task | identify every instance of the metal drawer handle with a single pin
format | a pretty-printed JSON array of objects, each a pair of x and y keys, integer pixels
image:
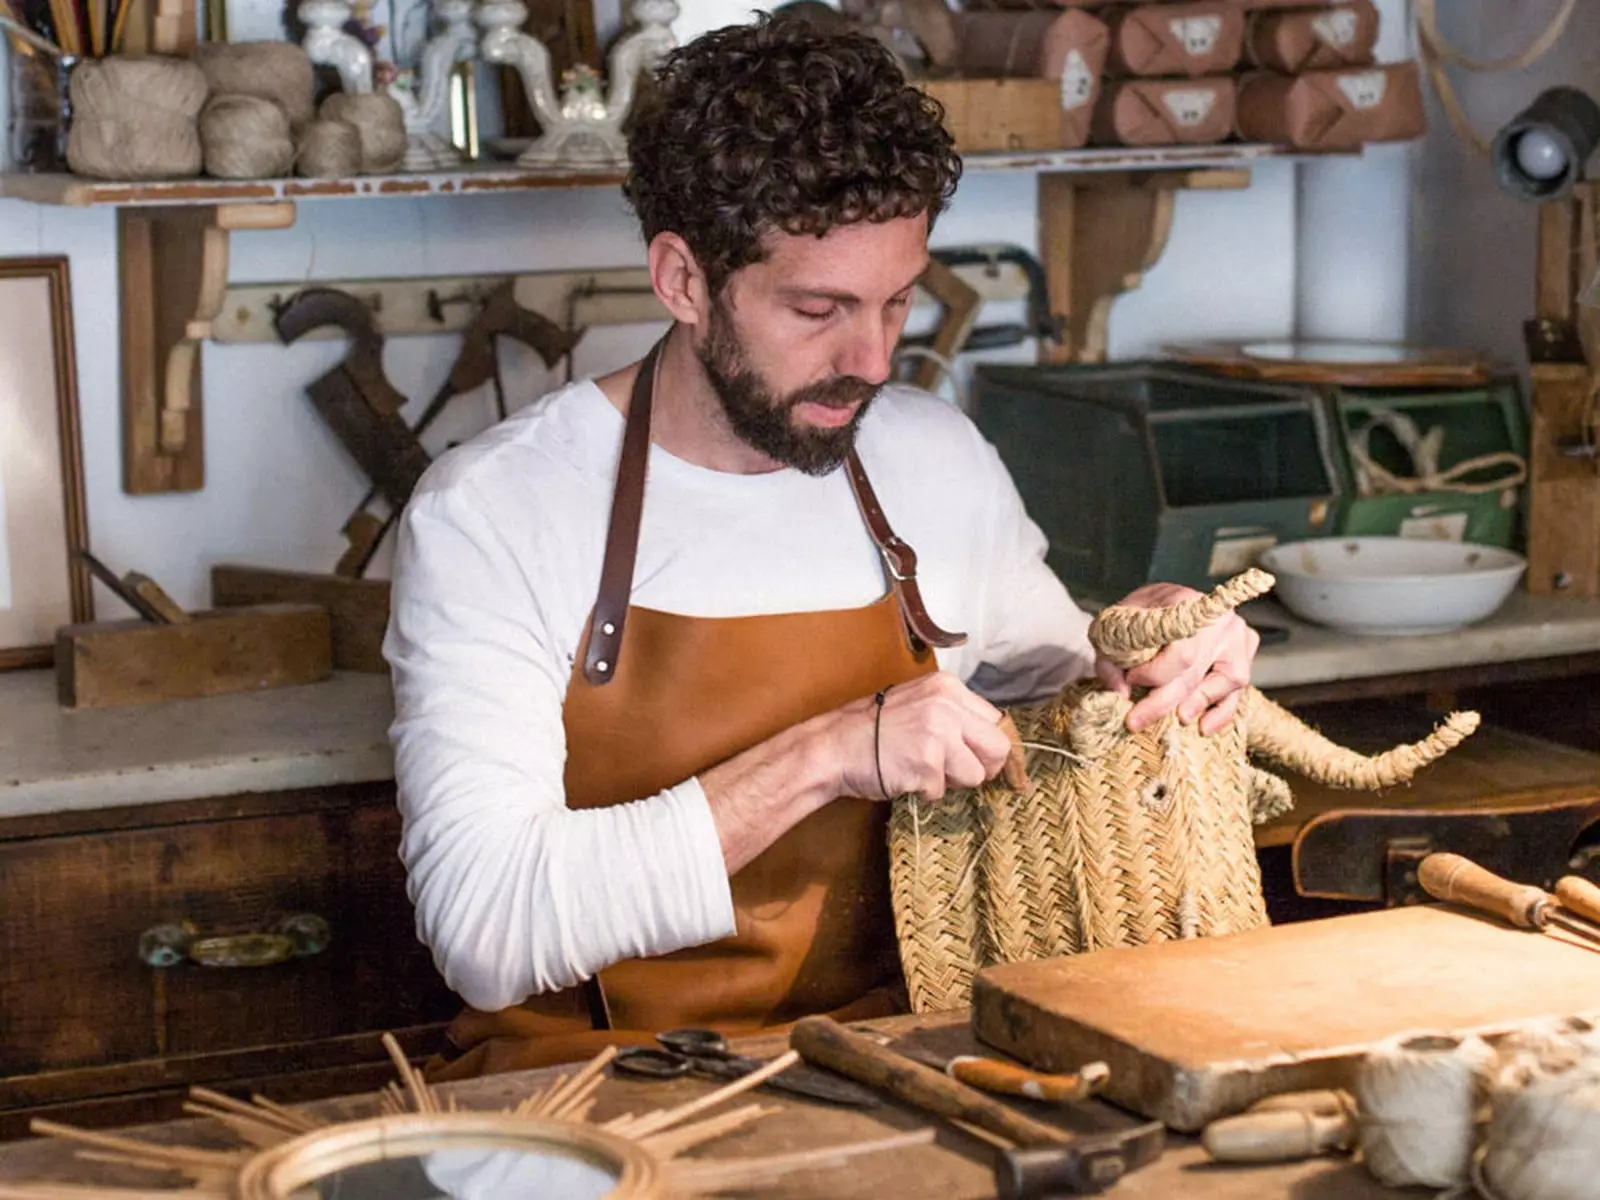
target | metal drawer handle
[{"x": 173, "y": 942}]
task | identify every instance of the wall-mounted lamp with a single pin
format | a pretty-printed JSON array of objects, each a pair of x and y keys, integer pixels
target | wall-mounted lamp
[{"x": 1541, "y": 153}]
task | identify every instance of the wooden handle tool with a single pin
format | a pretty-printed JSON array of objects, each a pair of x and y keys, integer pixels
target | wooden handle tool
[
  {"x": 826, "y": 1043},
  {"x": 1458, "y": 880},
  {"x": 1008, "y": 1079},
  {"x": 1579, "y": 895},
  {"x": 1277, "y": 1135}
]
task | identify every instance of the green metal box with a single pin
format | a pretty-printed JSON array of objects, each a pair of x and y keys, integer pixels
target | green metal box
[
  {"x": 1139, "y": 472},
  {"x": 1392, "y": 442}
]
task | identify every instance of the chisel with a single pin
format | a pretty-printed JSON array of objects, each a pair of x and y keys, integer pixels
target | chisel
[{"x": 1458, "y": 880}]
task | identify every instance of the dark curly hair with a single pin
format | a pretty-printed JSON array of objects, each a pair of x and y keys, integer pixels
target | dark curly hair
[{"x": 781, "y": 124}]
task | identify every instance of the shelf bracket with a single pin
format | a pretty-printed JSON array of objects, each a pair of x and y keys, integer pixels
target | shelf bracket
[
  {"x": 174, "y": 275},
  {"x": 1098, "y": 235}
]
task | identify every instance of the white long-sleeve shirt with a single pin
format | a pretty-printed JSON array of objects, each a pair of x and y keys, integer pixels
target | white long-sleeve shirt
[{"x": 497, "y": 569}]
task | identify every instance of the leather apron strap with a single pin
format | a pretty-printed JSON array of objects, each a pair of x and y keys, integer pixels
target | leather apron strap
[{"x": 622, "y": 542}]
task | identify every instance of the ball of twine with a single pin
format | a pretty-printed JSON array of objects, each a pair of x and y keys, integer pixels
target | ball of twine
[
  {"x": 329, "y": 150},
  {"x": 1543, "y": 1142},
  {"x": 134, "y": 118},
  {"x": 1538, "y": 1049},
  {"x": 379, "y": 120},
  {"x": 1419, "y": 1096},
  {"x": 276, "y": 71},
  {"x": 245, "y": 137}
]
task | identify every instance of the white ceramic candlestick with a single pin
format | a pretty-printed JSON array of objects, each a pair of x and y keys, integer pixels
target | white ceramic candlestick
[
  {"x": 328, "y": 45},
  {"x": 457, "y": 42},
  {"x": 583, "y": 129}
]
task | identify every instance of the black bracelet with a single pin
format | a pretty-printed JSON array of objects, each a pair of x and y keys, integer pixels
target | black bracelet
[{"x": 877, "y": 724}]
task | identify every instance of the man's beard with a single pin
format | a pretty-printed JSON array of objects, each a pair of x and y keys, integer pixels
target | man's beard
[{"x": 766, "y": 422}]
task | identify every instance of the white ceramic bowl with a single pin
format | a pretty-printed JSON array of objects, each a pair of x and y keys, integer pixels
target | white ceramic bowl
[{"x": 1392, "y": 586}]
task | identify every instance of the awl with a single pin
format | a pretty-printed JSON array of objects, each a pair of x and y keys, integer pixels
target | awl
[
  {"x": 1005, "y": 1078},
  {"x": 1458, "y": 880}
]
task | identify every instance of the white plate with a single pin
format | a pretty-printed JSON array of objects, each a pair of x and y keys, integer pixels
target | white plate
[{"x": 1392, "y": 586}]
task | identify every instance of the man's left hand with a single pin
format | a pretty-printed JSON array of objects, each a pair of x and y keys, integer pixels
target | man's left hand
[{"x": 1201, "y": 678}]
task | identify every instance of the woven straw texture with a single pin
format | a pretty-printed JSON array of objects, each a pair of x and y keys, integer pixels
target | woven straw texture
[{"x": 1121, "y": 838}]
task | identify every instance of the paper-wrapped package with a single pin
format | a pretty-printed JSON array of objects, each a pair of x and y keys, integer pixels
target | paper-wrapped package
[
  {"x": 1310, "y": 39},
  {"x": 1165, "y": 112},
  {"x": 1066, "y": 46},
  {"x": 1332, "y": 110},
  {"x": 1176, "y": 39}
]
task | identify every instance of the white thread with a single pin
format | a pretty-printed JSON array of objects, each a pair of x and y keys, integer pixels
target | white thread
[
  {"x": 1543, "y": 1140},
  {"x": 1418, "y": 1096}
]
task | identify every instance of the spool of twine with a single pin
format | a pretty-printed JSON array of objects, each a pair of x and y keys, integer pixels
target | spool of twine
[
  {"x": 1543, "y": 1142},
  {"x": 245, "y": 137},
  {"x": 381, "y": 123},
  {"x": 1419, "y": 1096},
  {"x": 329, "y": 150},
  {"x": 276, "y": 71},
  {"x": 1540, "y": 1049},
  {"x": 134, "y": 118}
]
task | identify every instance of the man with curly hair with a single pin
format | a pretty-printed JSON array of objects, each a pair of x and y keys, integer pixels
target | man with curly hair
[{"x": 661, "y": 645}]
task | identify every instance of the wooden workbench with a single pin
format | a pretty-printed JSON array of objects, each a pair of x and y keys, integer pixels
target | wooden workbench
[{"x": 955, "y": 1167}]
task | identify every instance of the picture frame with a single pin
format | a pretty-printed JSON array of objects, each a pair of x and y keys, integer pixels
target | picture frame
[{"x": 44, "y": 583}]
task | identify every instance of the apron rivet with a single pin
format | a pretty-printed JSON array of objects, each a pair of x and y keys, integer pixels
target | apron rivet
[
  {"x": 602, "y": 666},
  {"x": 608, "y": 629}
]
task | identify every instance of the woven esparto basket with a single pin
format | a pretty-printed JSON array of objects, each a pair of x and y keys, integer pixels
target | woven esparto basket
[{"x": 1121, "y": 838}]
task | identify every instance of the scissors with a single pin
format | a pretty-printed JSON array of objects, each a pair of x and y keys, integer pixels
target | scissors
[{"x": 704, "y": 1052}]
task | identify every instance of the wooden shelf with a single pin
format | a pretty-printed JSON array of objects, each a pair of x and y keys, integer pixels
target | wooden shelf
[{"x": 80, "y": 191}]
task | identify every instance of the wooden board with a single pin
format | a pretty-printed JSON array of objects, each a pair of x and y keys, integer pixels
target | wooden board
[
  {"x": 358, "y": 608},
  {"x": 999, "y": 114},
  {"x": 1196, "y": 1030},
  {"x": 233, "y": 650}
]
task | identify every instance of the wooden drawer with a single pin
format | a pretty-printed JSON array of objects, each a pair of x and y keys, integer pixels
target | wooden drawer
[{"x": 76, "y": 996}]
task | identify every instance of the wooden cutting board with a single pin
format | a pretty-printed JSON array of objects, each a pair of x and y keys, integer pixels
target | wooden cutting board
[{"x": 1196, "y": 1030}]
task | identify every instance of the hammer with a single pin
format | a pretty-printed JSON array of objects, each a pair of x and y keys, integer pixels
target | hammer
[{"x": 1045, "y": 1161}]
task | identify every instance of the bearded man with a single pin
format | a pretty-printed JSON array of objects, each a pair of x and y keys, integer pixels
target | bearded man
[{"x": 660, "y": 642}]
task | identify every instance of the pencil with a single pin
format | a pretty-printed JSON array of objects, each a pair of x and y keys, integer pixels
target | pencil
[
  {"x": 61, "y": 16},
  {"x": 97, "y": 27},
  {"x": 118, "y": 23}
]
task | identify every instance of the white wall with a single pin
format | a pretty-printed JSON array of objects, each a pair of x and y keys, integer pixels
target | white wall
[
  {"x": 1473, "y": 244},
  {"x": 278, "y": 487}
]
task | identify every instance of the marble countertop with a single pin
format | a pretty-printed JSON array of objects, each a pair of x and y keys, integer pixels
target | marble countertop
[
  {"x": 54, "y": 759},
  {"x": 1525, "y": 626}
]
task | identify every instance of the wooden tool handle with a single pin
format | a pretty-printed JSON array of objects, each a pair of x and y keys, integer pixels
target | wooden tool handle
[
  {"x": 993, "y": 1075},
  {"x": 1457, "y": 880},
  {"x": 1581, "y": 896},
  {"x": 1276, "y": 1135},
  {"x": 826, "y": 1043}
]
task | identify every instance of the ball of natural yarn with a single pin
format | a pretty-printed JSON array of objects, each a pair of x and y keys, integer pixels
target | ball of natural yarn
[
  {"x": 329, "y": 150},
  {"x": 1540, "y": 1048},
  {"x": 276, "y": 71},
  {"x": 1543, "y": 1141},
  {"x": 134, "y": 118},
  {"x": 379, "y": 120},
  {"x": 245, "y": 137},
  {"x": 1419, "y": 1096}
]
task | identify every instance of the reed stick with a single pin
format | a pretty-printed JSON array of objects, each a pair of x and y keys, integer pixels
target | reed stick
[
  {"x": 674, "y": 1142},
  {"x": 420, "y": 1091},
  {"x": 655, "y": 1122},
  {"x": 177, "y": 1156},
  {"x": 66, "y": 23},
  {"x": 28, "y": 37},
  {"x": 583, "y": 1082},
  {"x": 297, "y": 1120},
  {"x": 710, "y": 1176}
]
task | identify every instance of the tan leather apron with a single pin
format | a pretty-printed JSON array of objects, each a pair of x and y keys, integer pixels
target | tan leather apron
[{"x": 658, "y": 698}]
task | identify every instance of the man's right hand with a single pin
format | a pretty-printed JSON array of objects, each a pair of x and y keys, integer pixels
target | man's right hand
[{"x": 933, "y": 734}]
